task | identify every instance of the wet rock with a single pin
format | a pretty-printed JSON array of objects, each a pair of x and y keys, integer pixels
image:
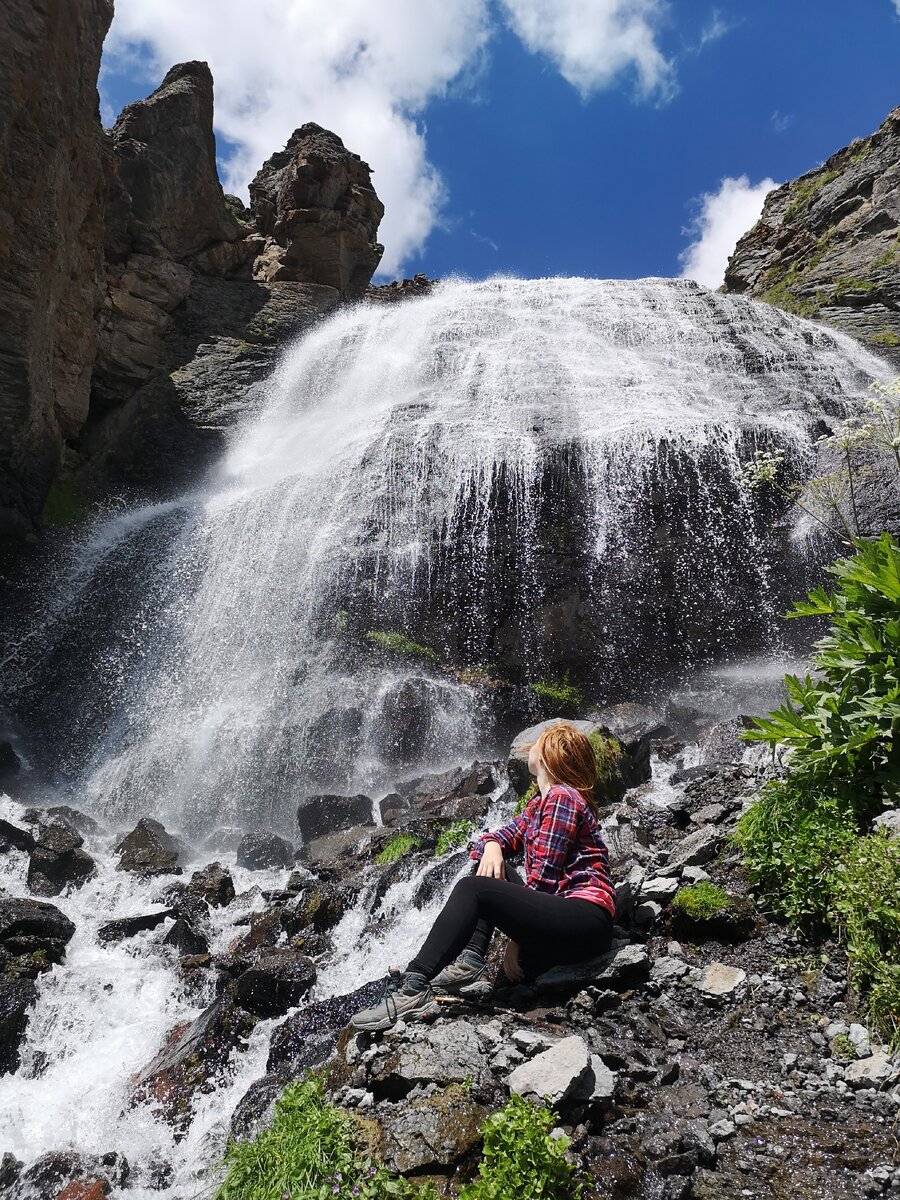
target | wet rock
[
  {"x": 555, "y": 1073},
  {"x": 620, "y": 968},
  {"x": 33, "y": 935},
  {"x": 337, "y": 851},
  {"x": 308, "y": 1037},
  {"x": 259, "y": 851},
  {"x": 126, "y": 927},
  {"x": 718, "y": 979},
  {"x": 393, "y": 808},
  {"x": 632, "y": 769},
  {"x": 187, "y": 938},
  {"x": 85, "y": 1189},
  {"x": 696, "y": 849},
  {"x": 193, "y": 1055},
  {"x": 213, "y": 884},
  {"x": 722, "y": 743},
  {"x": 9, "y": 762},
  {"x": 277, "y": 981},
  {"x": 443, "y": 1054},
  {"x": 598, "y": 1085},
  {"x": 10, "y": 1170},
  {"x": 321, "y": 815},
  {"x": 21, "y": 839},
  {"x": 58, "y": 860},
  {"x": 874, "y": 1071},
  {"x": 433, "y": 1132},
  {"x": 149, "y": 850},
  {"x": 63, "y": 814},
  {"x": 16, "y": 998},
  {"x": 321, "y": 907},
  {"x": 661, "y": 888}
]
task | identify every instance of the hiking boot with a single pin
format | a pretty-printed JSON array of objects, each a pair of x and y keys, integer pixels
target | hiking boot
[
  {"x": 401, "y": 999},
  {"x": 459, "y": 976}
]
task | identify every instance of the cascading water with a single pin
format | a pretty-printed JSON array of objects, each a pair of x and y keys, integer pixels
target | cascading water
[{"x": 527, "y": 478}]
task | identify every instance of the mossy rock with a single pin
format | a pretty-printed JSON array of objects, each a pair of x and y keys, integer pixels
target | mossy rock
[{"x": 706, "y": 912}]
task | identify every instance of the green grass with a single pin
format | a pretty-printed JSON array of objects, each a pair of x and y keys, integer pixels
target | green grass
[
  {"x": 781, "y": 293},
  {"x": 63, "y": 506},
  {"x": 521, "y": 1159},
  {"x": 805, "y": 191},
  {"x": 397, "y": 643},
  {"x": 400, "y": 844},
  {"x": 844, "y": 285},
  {"x": 310, "y": 1151},
  {"x": 888, "y": 338},
  {"x": 701, "y": 901},
  {"x": 565, "y": 695},
  {"x": 457, "y": 834}
]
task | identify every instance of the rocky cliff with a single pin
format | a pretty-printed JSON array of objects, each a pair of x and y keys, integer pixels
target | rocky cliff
[
  {"x": 828, "y": 244},
  {"x": 138, "y": 301},
  {"x": 55, "y": 163}
]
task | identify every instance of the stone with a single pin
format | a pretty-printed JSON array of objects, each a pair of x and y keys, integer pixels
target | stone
[
  {"x": 126, "y": 927},
  {"x": 33, "y": 933},
  {"x": 646, "y": 913},
  {"x": 277, "y": 981},
  {"x": 63, "y": 814},
  {"x": 722, "y": 743},
  {"x": 21, "y": 839},
  {"x": 667, "y": 969},
  {"x": 260, "y": 851},
  {"x": 661, "y": 888},
  {"x": 888, "y": 822},
  {"x": 720, "y": 980},
  {"x": 859, "y": 1036},
  {"x": 16, "y": 998},
  {"x": 58, "y": 161},
  {"x": 445, "y": 1053},
  {"x": 619, "y": 968},
  {"x": 314, "y": 204},
  {"x": 722, "y": 1130},
  {"x": 555, "y": 1074},
  {"x": 213, "y": 884},
  {"x": 149, "y": 850},
  {"x": 186, "y": 937},
  {"x": 433, "y": 1132},
  {"x": 695, "y": 849},
  {"x": 58, "y": 860},
  {"x": 598, "y": 1086},
  {"x": 321, "y": 815},
  {"x": 873, "y": 1071},
  {"x": 694, "y": 875}
]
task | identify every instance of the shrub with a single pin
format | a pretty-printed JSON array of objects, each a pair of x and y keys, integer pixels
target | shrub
[
  {"x": 522, "y": 1159},
  {"x": 396, "y": 643},
  {"x": 701, "y": 900},
  {"x": 454, "y": 835},
  {"x": 791, "y": 838},
  {"x": 309, "y": 1151},
  {"x": 400, "y": 844}
]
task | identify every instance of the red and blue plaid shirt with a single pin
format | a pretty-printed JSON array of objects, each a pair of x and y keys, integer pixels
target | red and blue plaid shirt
[{"x": 563, "y": 846}]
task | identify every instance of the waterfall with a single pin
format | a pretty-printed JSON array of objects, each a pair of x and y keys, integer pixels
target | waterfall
[{"x": 528, "y": 479}]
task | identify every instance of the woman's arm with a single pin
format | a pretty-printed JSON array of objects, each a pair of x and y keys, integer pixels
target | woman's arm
[
  {"x": 558, "y": 819},
  {"x": 510, "y": 838}
]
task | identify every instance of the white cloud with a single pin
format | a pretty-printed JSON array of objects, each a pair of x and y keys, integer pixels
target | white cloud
[
  {"x": 592, "y": 42},
  {"x": 368, "y": 70},
  {"x": 716, "y": 28},
  {"x": 782, "y": 121},
  {"x": 723, "y": 217}
]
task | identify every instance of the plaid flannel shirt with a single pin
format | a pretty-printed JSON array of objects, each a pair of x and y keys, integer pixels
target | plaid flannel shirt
[{"x": 563, "y": 846}]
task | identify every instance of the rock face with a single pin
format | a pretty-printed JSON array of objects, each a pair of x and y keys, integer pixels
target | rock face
[
  {"x": 56, "y": 162},
  {"x": 315, "y": 205},
  {"x": 828, "y": 244}
]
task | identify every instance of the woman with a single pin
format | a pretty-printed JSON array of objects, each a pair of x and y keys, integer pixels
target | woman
[{"x": 563, "y": 913}]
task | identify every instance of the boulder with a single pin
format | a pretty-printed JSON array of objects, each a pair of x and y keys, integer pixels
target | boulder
[
  {"x": 58, "y": 860},
  {"x": 126, "y": 927},
  {"x": 555, "y": 1074},
  {"x": 443, "y": 1054},
  {"x": 597, "y": 1086},
  {"x": 259, "y": 851},
  {"x": 33, "y": 935},
  {"x": 63, "y": 814},
  {"x": 621, "y": 968},
  {"x": 876, "y": 1070},
  {"x": 149, "y": 850},
  {"x": 431, "y": 1133},
  {"x": 186, "y": 937},
  {"x": 194, "y": 1054},
  {"x": 12, "y": 835},
  {"x": 16, "y": 998},
  {"x": 888, "y": 822},
  {"x": 213, "y": 884},
  {"x": 631, "y": 769},
  {"x": 718, "y": 979},
  {"x": 722, "y": 743},
  {"x": 321, "y": 815},
  {"x": 277, "y": 981},
  {"x": 57, "y": 162},
  {"x": 695, "y": 850},
  {"x": 314, "y": 204}
]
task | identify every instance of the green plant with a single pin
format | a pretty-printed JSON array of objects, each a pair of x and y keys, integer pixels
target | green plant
[
  {"x": 400, "y": 844},
  {"x": 309, "y": 1152},
  {"x": 846, "y": 284},
  {"x": 561, "y": 692},
  {"x": 842, "y": 1047},
  {"x": 888, "y": 338},
  {"x": 607, "y": 752},
  {"x": 791, "y": 838},
  {"x": 521, "y": 1159},
  {"x": 63, "y": 506},
  {"x": 805, "y": 190},
  {"x": 840, "y": 725},
  {"x": 703, "y": 900},
  {"x": 867, "y": 908},
  {"x": 396, "y": 643},
  {"x": 525, "y": 799},
  {"x": 457, "y": 834}
]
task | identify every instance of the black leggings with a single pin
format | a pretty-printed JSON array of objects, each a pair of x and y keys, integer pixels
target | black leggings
[{"x": 550, "y": 930}]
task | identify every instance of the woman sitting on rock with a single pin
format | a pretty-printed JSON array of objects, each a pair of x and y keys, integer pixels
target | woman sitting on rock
[{"x": 563, "y": 913}]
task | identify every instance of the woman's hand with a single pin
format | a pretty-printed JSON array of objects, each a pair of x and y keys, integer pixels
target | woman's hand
[
  {"x": 511, "y": 967},
  {"x": 491, "y": 861}
]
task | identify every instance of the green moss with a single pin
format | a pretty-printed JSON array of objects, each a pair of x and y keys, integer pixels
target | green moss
[
  {"x": 565, "y": 695},
  {"x": 861, "y": 153},
  {"x": 701, "y": 901},
  {"x": 607, "y": 752},
  {"x": 846, "y": 284},
  {"x": 457, "y": 834},
  {"x": 886, "y": 259},
  {"x": 888, "y": 338},
  {"x": 400, "y": 844},
  {"x": 781, "y": 293},
  {"x": 805, "y": 191},
  {"x": 63, "y": 506},
  {"x": 842, "y": 1047},
  {"x": 396, "y": 643}
]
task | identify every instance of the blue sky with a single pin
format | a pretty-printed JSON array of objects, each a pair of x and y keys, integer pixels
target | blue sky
[{"x": 536, "y": 137}]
